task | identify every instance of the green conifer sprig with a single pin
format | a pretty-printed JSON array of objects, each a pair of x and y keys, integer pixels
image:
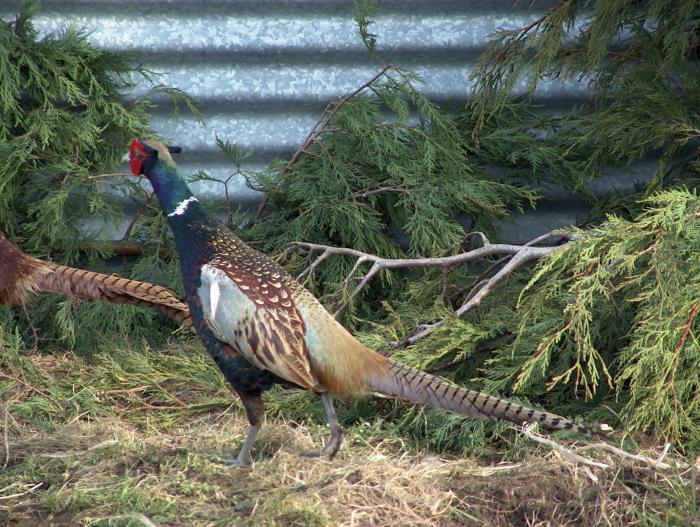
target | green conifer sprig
[
  {"x": 638, "y": 60},
  {"x": 618, "y": 308},
  {"x": 63, "y": 120}
]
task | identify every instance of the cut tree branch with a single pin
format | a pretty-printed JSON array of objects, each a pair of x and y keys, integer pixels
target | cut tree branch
[
  {"x": 519, "y": 255},
  {"x": 137, "y": 216}
]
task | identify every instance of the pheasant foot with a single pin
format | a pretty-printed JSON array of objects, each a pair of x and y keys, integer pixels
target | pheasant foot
[{"x": 244, "y": 458}]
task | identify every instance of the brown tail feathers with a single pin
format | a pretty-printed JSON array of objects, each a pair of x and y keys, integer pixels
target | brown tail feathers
[
  {"x": 406, "y": 383},
  {"x": 19, "y": 273},
  {"x": 113, "y": 289},
  {"x": 22, "y": 275}
]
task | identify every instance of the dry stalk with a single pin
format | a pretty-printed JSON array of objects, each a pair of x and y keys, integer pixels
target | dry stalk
[{"x": 574, "y": 454}]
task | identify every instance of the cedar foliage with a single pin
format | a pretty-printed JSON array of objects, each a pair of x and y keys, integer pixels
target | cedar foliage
[
  {"x": 615, "y": 312},
  {"x": 62, "y": 121}
]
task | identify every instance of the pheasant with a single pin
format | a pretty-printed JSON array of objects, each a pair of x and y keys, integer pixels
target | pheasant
[
  {"x": 279, "y": 331},
  {"x": 22, "y": 275}
]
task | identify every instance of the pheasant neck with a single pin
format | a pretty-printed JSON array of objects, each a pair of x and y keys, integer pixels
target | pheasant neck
[
  {"x": 191, "y": 225},
  {"x": 173, "y": 194}
]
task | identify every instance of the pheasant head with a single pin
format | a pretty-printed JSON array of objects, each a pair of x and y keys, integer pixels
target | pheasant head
[
  {"x": 153, "y": 160},
  {"x": 143, "y": 154}
]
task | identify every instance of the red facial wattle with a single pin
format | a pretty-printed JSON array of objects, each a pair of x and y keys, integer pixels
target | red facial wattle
[{"x": 136, "y": 155}]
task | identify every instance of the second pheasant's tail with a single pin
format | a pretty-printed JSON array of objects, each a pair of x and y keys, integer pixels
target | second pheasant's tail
[
  {"x": 21, "y": 276},
  {"x": 19, "y": 273},
  {"x": 409, "y": 384},
  {"x": 112, "y": 289}
]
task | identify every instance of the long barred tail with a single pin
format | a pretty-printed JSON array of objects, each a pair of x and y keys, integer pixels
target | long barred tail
[
  {"x": 406, "y": 383},
  {"x": 21, "y": 276},
  {"x": 113, "y": 289}
]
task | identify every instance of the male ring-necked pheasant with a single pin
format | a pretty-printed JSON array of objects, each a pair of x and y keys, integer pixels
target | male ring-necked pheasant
[{"x": 240, "y": 297}]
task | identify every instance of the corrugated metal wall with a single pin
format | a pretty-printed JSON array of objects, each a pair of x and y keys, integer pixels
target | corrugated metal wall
[{"x": 263, "y": 70}]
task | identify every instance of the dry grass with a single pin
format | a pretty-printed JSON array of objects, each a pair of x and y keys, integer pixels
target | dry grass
[{"x": 108, "y": 468}]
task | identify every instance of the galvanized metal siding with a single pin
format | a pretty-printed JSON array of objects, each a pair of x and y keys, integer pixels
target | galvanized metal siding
[{"x": 263, "y": 70}]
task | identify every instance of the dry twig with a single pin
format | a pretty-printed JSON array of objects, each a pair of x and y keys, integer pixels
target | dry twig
[
  {"x": 519, "y": 255},
  {"x": 6, "y": 418},
  {"x": 574, "y": 454}
]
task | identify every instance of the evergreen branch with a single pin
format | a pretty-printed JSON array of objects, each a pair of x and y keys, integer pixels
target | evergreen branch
[
  {"x": 482, "y": 347},
  {"x": 625, "y": 56},
  {"x": 320, "y": 127},
  {"x": 677, "y": 352},
  {"x": 521, "y": 33},
  {"x": 137, "y": 216},
  {"x": 686, "y": 330}
]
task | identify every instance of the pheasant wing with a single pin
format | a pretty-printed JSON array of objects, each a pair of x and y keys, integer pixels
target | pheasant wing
[{"x": 248, "y": 305}]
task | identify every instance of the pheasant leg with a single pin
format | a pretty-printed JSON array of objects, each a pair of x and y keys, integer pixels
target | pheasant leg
[
  {"x": 256, "y": 413},
  {"x": 244, "y": 459},
  {"x": 335, "y": 440}
]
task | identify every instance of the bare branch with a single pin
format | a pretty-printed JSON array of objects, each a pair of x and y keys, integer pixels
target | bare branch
[
  {"x": 379, "y": 190},
  {"x": 565, "y": 452},
  {"x": 137, "y": 216},
  {"x": 6, "y": 412},
  {"x": 111, "y": 174},
  {"x": 306, "y": 272},
  {"x": 574, "y": 454},
  {"x": 526, "y": 254},
  {"x": 35, "y": 331},
  {"x": 519, "y": 255}
]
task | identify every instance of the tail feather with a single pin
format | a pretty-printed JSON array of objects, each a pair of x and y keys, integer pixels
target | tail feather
[
  {"x": 22, "y": 276},
  {"x": 406, "y": 383},
  {"x": 113, "y": 289},
  {"x": 19, "y": 273}
]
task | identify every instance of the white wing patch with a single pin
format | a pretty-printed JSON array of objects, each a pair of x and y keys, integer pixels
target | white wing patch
[
  {"x": 182, "y": 206},
  {"x": 226, "y": 309},
  {"x": 214, "y": 294}
]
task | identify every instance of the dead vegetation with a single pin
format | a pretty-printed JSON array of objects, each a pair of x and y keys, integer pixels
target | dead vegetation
[{"x": 145, "y": 448}]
